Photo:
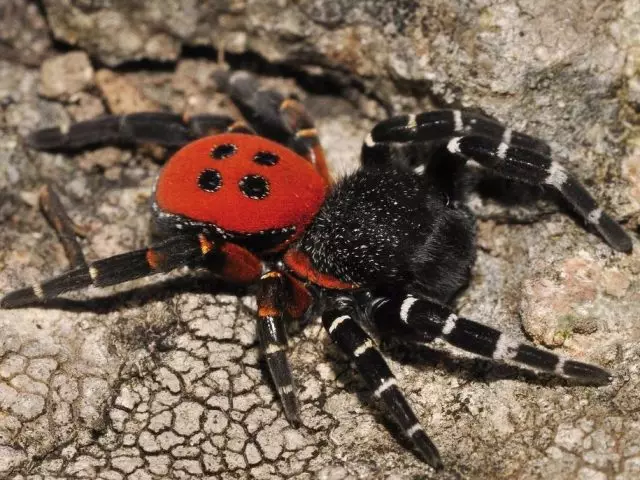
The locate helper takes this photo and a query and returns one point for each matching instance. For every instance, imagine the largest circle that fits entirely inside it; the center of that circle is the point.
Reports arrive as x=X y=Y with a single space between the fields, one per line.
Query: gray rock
x=64 y=75
x=159 y=378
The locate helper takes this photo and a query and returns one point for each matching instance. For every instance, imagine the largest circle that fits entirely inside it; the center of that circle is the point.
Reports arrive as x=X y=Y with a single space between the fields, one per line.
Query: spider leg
x=258 y=106
x=534 y=168
x=368 y=360
x=65 y=228
x=432 y=128
x=174 y=252
x=510 y=154
x=166 y=129
x=273 y=340
x=443 y=124
x=305 y=138
x=428 y=319
x=284 y=120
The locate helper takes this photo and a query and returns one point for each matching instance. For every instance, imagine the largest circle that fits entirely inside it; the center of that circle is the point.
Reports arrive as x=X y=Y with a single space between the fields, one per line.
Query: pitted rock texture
x=161 y=378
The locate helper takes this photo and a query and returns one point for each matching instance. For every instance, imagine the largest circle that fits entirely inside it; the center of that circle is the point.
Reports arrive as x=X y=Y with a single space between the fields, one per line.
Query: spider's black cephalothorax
x=384 y=249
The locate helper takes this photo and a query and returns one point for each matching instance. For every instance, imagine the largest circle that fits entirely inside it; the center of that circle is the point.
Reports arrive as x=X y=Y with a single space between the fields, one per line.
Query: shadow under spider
x=471 y=369
x=403 y=352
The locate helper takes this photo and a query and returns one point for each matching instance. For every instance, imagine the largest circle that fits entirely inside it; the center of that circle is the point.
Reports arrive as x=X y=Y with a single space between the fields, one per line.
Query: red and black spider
x=387 y=246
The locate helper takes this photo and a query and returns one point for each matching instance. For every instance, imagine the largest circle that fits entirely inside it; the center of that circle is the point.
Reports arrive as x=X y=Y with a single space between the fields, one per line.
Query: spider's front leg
x=356 y=343
x=531 y=167
x=508 y=153
x=229 y=260
x=272 y=295
x=426 y=319
x=388 y=140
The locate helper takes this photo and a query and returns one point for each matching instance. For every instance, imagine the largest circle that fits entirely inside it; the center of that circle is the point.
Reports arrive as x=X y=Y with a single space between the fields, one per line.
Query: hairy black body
x=385 y=227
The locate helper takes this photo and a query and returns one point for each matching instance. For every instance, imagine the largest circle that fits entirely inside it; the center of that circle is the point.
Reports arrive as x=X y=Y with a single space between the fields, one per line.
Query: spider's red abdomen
x=241 y=183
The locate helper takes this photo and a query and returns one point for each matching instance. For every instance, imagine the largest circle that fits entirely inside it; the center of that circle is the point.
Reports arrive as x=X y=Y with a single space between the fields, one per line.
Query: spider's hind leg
x=505 y=152
x=185 y=250
x=160 y=128
x=161 y=257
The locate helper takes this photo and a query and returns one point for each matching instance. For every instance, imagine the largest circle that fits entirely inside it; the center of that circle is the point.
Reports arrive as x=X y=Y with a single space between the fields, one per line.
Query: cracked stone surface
x=161 y=378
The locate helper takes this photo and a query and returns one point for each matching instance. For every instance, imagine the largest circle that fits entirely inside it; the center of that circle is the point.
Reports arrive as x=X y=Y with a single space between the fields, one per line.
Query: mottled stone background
x=161 y=378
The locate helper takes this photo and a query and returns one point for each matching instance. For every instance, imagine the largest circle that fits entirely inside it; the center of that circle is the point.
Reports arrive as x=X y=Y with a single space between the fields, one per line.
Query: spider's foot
x=19 y=298
x=273 y=340
x=71 y=280
x=280 y=370
x=47 y=139
x=612 y=232
x=583 y=372
x=290 y=406
x=427 y=451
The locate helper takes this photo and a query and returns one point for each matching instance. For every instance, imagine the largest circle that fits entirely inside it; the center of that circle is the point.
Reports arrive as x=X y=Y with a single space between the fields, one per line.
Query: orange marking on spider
x=300 y=298
x=307 y=133
x=206 y=245
x=288 y=103
x=155 y=259
x=239 y=127
x=271 y=274
x=301 y=265
x=241 y=266
x=268 y=311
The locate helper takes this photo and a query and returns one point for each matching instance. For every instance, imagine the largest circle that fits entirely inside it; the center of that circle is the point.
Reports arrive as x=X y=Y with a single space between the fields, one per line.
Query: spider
x=384 y=249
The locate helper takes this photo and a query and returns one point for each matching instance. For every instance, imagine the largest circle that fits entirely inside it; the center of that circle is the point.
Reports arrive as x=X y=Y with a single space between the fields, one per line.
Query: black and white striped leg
x=508 y=153
x=271 y=114
x=67 y=231
x=428 y=319
x=356 y=343
x=304 y=139
x=260 y=107
x=162 y=257
x=284 y=120
x=436 y=126
x=534 y=168
x=440 y=124
x=273 y=340
x=166 y=129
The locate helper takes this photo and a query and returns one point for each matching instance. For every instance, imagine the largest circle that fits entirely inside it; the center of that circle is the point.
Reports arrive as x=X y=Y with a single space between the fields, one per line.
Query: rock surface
x=161 y=378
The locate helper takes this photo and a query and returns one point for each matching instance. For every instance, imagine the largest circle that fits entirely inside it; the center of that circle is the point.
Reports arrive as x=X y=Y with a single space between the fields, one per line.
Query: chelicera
x=387 y=246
